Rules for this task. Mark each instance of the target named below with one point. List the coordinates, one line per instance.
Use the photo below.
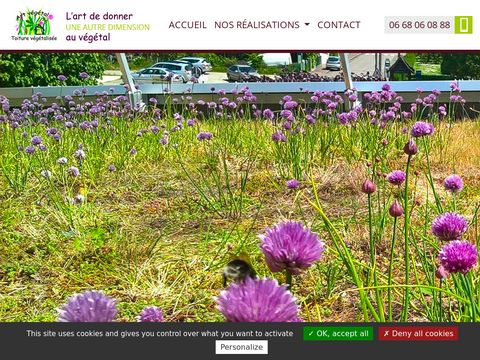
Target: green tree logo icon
(33, 23)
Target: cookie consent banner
(266, 25)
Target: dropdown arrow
(307, 24)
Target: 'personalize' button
(241, 347)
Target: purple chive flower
(62, 161)
(278, 136)
(36, 140)
(289, 105)
(83, 75)
(289, 245)
(153, 100)
(30, 150)
(89, 306)
(73, 171)
(422, 128)
(396, 209)
(442, 111)
(293, 184)
(84, 125)
(332, 105)
(112, 168)
(310, 119)
(258, 300)
(396, 177)
(455, 86)
(458, 256)
(268, 114)
(453, 183)
(79, 199)
(133, 152)
(410, 147)
(46, 174)
(80, 155)
(286, 114)
(151, 314)
(441, 273)
(62, 78)
(204, 136)
(369, 187)
(449, 226)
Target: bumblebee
(238, 269)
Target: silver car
(200, 62)
(155, 76)
(241, 73)
(181, 68)
(333, 63)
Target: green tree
(41, 69)
(461, 66)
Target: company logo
(34, 25)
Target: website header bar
(262, 26)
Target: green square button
(338, 333)
(463, 24)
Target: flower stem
(288, 278)
(373, 261)
(440, 301)
(390, 267)
(406, 294)
(430, 179)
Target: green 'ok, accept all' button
(339, 333)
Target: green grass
(160, 229)
(429, 69)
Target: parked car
(200, 62)
(196, 70)
(184, 69)
(333, 63)
(155, 76)
(241, 73)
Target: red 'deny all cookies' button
(418, 333)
